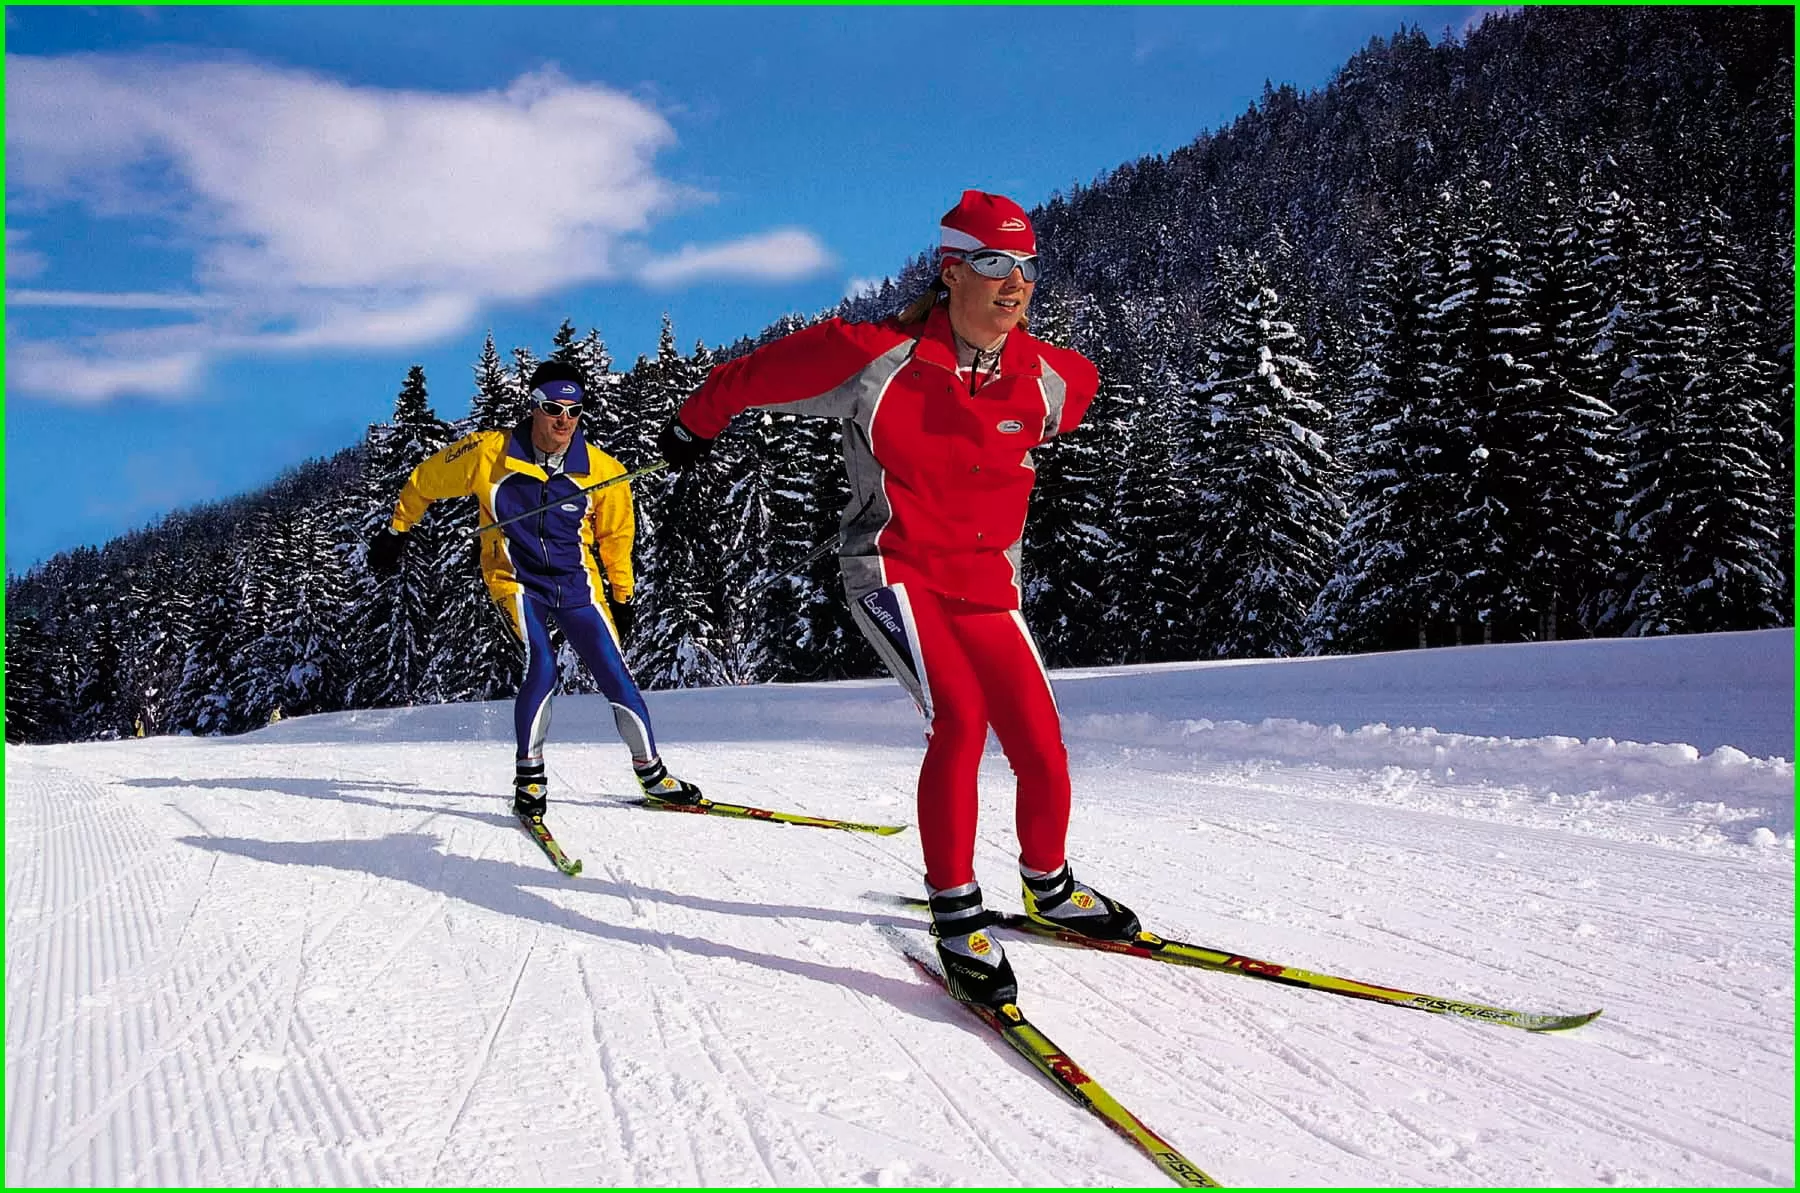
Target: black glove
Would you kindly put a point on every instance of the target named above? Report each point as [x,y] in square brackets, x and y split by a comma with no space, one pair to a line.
[680,446]
[385,550]
[624,617]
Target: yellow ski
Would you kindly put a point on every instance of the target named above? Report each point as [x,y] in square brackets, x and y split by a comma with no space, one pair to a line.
[1176,952]
[707,807]
[542,835]
[1069,1077]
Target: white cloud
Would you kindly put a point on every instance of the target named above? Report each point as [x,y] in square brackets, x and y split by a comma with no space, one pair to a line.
[346,326]
[324,215]
[114,300]
[86,380]
[779,255]
[21,262]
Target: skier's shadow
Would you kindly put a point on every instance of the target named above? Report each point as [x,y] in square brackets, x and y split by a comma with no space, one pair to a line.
[503,887]
[333,790]
[339,791]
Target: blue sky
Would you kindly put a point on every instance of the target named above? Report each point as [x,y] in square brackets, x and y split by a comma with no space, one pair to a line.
[229,231]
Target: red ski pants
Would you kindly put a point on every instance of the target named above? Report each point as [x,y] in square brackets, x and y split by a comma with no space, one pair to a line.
[969,670]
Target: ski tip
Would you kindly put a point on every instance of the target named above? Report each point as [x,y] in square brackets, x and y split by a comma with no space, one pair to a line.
[890,899]
[1563,1022]
[573,869]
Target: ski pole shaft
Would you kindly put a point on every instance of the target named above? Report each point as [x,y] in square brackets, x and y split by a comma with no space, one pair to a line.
[822,549]
[595,487]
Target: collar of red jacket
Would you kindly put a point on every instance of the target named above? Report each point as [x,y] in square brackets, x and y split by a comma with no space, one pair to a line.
[937,344]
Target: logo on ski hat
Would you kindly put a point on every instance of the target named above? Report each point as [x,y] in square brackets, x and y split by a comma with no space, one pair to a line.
[983,221]
[1011,426]
[558,391]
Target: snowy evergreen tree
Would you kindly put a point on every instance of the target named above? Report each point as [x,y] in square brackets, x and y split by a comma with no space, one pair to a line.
[35,709]
[1066,540]
[254,674]
[1484,373]
[682,641]
[201,703]
[500,396]
[1702,515]
[302,645]
[1569,466]
[1147,618]
[156,618]
[794,508]
[1266,511]
[393,619]
[1389,581]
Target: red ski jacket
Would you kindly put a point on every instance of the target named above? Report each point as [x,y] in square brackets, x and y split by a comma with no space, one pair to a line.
[940,479]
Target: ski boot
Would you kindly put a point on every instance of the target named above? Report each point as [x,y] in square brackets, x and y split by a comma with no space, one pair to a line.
[530,799]
[663,787]
[975,966]
[1058,900]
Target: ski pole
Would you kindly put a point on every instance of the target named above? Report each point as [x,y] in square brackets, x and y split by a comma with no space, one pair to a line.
[822,548]
[644,471]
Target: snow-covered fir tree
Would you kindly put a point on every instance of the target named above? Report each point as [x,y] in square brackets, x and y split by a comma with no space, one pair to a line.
[393,619]
[155,614]
[1068,536]
[1484,375]
[500,398]
[201,703]
[1385,587]
[36,711]
[1703,509]
[1265,505]
[302,643]
[1569,464]
[682,639]
[1147,618]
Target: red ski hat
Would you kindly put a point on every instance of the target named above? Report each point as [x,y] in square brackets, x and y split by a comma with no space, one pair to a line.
[984,221]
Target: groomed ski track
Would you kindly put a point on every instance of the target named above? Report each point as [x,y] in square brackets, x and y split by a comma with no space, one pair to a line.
[324,953]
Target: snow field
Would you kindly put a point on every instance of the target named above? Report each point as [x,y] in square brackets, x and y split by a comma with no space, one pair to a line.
[323,954]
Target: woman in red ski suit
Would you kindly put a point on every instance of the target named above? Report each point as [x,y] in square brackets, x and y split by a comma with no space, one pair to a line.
[942,406]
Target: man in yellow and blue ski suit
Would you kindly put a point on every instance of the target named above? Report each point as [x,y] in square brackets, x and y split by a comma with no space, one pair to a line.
[543,566]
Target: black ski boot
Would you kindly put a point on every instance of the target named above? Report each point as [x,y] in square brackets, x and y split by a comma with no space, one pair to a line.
[530,791]
[1058,900]
[660,785]
[975,966]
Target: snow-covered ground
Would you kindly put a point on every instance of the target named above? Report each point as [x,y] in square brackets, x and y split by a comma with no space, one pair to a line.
[323,954]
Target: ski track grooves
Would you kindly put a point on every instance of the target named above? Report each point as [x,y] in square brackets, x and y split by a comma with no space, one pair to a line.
[231,963]
[482,1055]
[165,1036]
[947,1099]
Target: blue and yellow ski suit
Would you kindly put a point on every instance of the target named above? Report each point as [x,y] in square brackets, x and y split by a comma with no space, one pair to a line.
[545,566]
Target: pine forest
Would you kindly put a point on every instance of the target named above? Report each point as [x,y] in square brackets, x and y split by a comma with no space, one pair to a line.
[1488,340]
